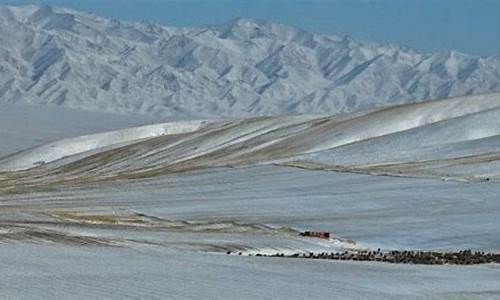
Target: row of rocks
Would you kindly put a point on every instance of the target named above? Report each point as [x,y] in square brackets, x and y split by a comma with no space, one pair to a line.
[464,257]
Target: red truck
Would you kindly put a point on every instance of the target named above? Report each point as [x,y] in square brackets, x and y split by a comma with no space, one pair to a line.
[316,234]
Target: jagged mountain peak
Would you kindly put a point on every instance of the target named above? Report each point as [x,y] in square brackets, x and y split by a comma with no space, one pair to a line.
[244,67]
[247,28]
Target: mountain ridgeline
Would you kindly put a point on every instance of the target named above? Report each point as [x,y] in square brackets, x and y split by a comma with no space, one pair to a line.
[57,56]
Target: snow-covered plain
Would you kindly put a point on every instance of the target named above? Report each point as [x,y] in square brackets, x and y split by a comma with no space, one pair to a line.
[45,271]
[181,262]
[150,211]
[373,211]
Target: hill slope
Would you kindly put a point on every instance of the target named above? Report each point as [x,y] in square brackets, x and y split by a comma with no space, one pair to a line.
[455,138]
[56,56]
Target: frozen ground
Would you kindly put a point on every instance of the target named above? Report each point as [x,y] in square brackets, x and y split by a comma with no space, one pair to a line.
[47,271]
[181,261]
[373,211]
[150,212]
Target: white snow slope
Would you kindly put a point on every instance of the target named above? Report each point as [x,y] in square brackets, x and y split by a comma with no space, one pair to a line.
[26,126]
[451,138]
[99,141]
[150,211]
[57,56]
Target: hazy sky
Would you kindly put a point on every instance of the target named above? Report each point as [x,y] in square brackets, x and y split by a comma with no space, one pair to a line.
[471,26]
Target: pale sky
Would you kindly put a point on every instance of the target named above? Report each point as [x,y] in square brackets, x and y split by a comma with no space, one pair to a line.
[470,26]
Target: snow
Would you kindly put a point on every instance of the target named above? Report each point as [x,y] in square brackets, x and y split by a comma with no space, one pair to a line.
[101,205]
[58,56]
[224,277]
[373,211]
[100,141]
[27,126]
[453,138]
[152,210]
[70,273]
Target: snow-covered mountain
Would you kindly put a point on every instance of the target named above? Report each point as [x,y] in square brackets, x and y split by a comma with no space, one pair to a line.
[57,56]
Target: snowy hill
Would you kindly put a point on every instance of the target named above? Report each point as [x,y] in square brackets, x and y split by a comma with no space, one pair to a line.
[52,123]
[61,57]
[455,138]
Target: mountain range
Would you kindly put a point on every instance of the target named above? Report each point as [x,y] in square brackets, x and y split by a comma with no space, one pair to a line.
[61,57]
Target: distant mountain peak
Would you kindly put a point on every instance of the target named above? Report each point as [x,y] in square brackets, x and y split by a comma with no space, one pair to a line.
[244,67]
